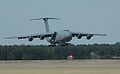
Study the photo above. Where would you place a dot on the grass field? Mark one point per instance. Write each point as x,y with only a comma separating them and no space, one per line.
60,67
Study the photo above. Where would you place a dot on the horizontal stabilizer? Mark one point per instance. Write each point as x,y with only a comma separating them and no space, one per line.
43,19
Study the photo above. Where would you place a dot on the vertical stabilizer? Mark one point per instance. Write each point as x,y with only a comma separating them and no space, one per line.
46,25
45,22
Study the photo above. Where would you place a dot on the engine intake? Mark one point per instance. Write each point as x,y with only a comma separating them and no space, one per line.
42,37
79,36
89,37
30,39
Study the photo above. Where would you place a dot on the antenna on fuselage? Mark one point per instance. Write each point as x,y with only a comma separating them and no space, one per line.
46,22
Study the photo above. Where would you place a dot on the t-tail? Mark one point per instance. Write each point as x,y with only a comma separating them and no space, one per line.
45,22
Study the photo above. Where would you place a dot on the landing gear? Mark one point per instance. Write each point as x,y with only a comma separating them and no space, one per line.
64,44
52,45
67,44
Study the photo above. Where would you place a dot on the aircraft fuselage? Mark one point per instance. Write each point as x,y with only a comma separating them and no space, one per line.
61,37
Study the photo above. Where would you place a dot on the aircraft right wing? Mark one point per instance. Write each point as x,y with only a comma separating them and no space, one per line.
30,37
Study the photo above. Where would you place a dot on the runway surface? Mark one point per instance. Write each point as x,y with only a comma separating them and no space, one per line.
60,67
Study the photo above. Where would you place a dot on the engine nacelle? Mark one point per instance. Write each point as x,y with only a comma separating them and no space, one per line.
42,37
79,36
89,37
30,39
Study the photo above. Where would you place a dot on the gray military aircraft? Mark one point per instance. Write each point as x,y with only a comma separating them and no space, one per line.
56,38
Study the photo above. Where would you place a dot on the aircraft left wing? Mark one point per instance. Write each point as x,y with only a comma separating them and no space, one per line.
30,37
88,35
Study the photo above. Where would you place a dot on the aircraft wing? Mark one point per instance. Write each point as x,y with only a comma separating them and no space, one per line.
88,35
31,36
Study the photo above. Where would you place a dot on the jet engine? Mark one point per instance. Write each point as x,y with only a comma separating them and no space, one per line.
79,36
42,37
89,37
30,39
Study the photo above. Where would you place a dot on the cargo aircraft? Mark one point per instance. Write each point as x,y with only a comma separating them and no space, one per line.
56,38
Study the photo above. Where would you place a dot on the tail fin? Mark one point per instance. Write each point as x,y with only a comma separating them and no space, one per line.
46,22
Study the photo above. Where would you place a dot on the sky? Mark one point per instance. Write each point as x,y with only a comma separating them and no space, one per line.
87,16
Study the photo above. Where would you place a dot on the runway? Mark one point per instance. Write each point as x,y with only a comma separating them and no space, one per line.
60,67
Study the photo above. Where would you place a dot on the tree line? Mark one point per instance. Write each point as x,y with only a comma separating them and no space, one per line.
40,52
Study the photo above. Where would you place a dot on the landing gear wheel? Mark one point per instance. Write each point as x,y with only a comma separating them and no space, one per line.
65,44
52,45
